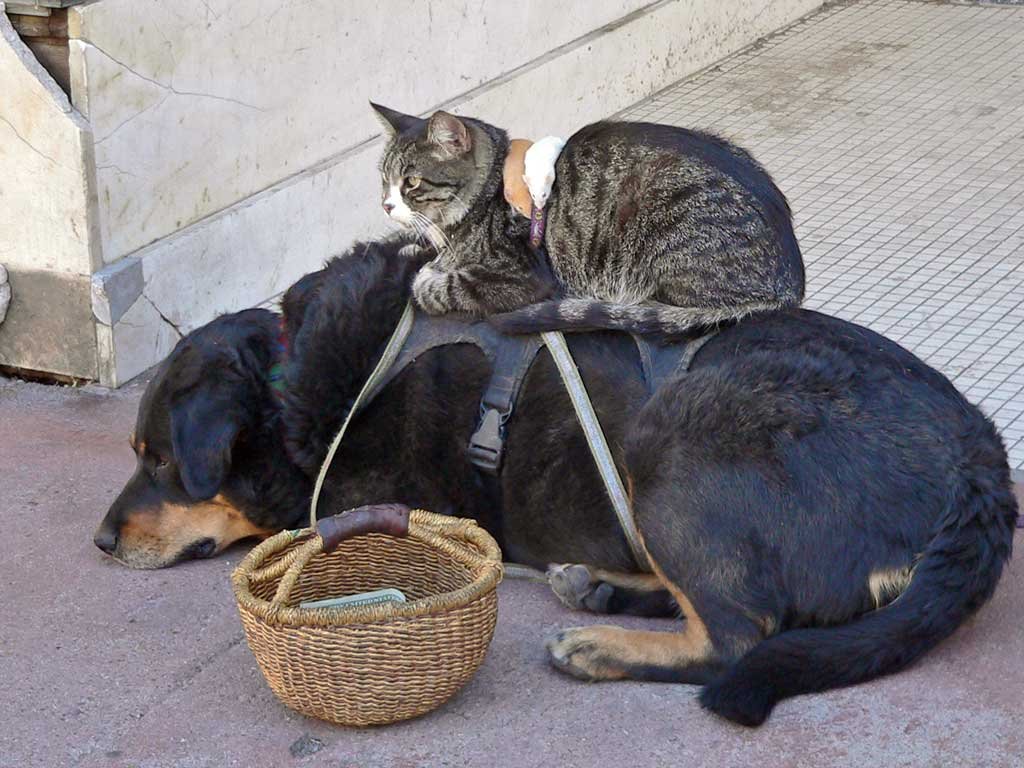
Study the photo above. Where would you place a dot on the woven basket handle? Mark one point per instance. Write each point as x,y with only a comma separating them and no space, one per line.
392,519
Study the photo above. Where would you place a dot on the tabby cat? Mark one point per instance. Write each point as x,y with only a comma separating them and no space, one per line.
650,228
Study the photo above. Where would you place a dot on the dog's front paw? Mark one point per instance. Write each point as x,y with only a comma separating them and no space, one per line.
430,290
578,589
587,653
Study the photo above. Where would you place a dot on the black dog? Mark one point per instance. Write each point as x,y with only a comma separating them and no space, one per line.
821,505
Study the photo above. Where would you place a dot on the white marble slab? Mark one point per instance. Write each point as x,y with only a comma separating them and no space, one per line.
45,154
198,104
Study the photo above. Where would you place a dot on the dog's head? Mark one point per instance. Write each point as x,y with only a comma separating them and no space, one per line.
210,463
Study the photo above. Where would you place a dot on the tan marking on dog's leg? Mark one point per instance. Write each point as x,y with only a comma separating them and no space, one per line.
688,611
642,582
582,587
614,653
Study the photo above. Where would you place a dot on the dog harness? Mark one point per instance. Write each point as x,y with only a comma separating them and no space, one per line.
511,358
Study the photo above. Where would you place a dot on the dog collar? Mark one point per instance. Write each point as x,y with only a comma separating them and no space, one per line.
538,221
275,376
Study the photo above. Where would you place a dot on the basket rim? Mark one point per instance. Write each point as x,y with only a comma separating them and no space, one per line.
446,534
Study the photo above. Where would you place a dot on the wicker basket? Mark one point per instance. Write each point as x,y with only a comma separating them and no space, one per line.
374,664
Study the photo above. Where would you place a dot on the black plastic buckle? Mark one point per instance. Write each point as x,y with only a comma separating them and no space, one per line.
487,444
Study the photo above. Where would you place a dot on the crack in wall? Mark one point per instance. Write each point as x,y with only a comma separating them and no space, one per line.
31,146
174,326
127,120
116,169
171,88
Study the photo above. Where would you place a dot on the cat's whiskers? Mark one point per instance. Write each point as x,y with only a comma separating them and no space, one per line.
424,225
434,233
421,229
422,236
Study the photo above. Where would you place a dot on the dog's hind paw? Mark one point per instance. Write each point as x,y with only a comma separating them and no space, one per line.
578,588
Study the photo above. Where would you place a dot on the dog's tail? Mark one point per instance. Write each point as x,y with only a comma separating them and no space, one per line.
648,319
955,575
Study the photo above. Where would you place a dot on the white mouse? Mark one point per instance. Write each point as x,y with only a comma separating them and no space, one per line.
539,168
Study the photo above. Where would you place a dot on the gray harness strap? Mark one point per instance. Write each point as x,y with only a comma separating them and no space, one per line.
379,372
661,363
510,358
511,364
597,443
430,332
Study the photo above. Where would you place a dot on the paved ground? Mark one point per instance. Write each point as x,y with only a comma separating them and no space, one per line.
103,666
895,127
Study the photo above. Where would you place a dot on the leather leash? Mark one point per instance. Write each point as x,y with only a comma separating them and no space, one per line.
394,346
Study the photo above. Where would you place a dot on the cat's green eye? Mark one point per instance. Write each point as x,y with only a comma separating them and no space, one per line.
411,182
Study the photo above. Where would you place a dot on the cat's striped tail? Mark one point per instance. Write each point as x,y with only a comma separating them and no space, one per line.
647,319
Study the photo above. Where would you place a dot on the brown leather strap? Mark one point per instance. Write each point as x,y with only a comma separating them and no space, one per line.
391,519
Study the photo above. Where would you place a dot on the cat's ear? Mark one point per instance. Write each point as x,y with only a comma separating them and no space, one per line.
396,122
449,133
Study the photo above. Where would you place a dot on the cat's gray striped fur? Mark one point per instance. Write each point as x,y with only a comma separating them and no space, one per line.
650,228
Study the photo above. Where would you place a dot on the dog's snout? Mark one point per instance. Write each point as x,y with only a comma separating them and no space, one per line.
105,539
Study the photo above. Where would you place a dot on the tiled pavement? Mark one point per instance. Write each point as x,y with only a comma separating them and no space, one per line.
896,129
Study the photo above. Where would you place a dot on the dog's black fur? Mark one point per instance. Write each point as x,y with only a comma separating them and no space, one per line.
822,505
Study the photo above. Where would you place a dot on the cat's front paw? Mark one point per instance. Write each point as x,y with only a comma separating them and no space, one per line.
430,290
411,251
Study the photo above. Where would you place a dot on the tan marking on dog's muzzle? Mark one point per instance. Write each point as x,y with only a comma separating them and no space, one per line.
154,538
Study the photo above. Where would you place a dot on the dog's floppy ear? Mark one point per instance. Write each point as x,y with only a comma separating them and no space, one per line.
203,432
395,121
